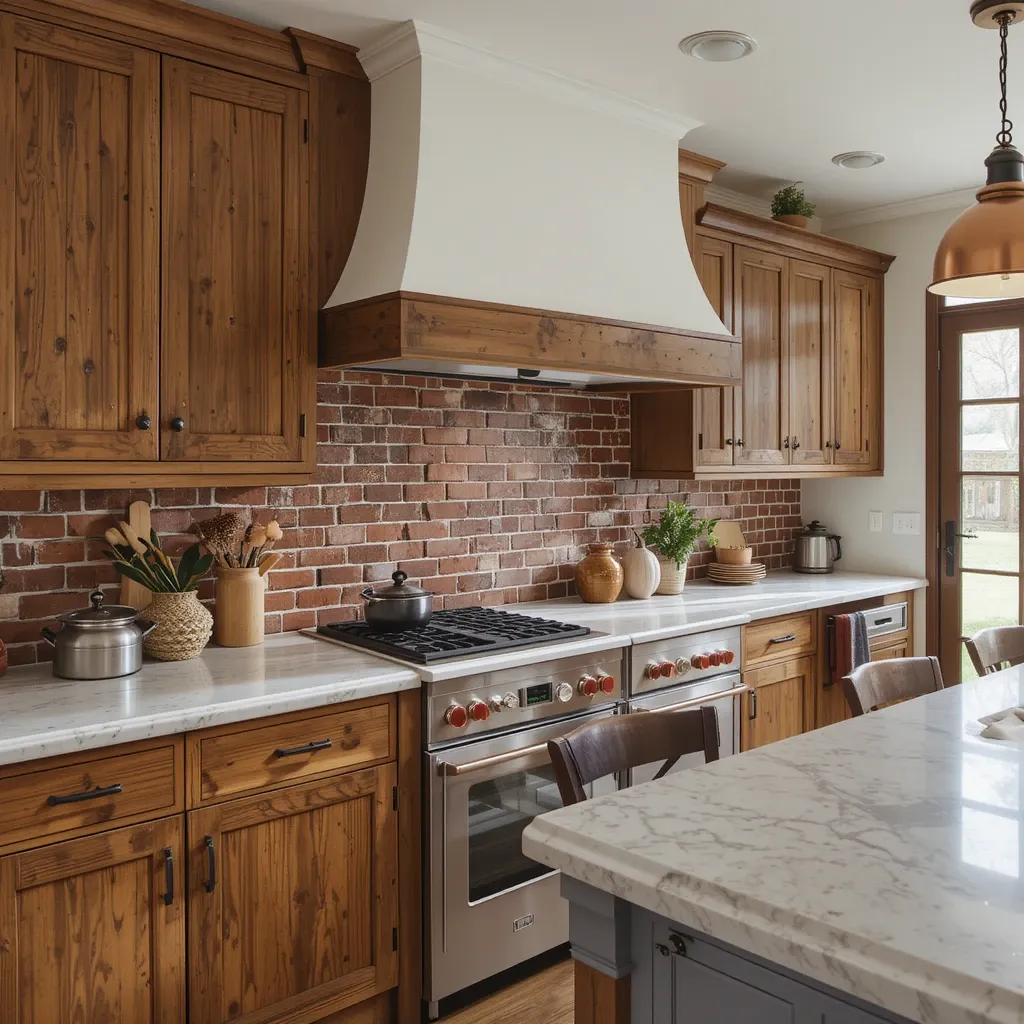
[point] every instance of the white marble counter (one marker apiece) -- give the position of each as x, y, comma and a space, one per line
882, 856
41, 716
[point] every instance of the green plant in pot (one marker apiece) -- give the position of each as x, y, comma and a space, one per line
673, 538
791, 206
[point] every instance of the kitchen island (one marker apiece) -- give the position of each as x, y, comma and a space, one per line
868, 871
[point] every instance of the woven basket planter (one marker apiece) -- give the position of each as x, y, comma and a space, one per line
184, 627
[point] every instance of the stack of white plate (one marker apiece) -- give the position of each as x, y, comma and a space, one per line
738, 575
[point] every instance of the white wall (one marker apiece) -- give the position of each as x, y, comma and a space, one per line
844, 504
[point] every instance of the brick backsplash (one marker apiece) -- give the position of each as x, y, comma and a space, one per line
484, 493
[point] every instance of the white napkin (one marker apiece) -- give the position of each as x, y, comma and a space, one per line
1010, 726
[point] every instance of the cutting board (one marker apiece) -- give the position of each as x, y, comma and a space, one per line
133, 594
729, 534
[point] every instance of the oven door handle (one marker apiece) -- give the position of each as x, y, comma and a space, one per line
697, 702
447, 768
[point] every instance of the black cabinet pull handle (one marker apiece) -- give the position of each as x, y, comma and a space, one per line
782, 639
882, 622
169, 868
796, 443
837, 446
828, 444
753, 706
785, 443
309, 748
89, 794
211, 855
177, 424
143, 422
740, 441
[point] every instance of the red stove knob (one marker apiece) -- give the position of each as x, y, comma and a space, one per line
668, 669
479, 711
456, 716
607, 683
727, 657
715, 657
588, 686
653, 670
700, 661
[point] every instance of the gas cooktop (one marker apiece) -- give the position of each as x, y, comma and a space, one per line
457, 633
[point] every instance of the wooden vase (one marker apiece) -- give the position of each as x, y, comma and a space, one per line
599, 576
238, 612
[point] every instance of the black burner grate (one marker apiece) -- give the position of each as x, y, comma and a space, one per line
455, 634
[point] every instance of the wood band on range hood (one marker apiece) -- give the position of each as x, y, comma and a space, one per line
406, 325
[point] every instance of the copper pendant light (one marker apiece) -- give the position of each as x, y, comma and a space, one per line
981, 256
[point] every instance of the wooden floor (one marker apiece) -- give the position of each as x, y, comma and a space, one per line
546, 998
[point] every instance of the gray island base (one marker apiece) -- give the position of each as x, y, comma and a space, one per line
678, 976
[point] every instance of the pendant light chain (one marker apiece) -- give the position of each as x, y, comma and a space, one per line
1005, 135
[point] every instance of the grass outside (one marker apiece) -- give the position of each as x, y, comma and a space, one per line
988, 600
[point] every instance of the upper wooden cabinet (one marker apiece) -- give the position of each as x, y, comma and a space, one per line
808, 310
234, 363
79, 335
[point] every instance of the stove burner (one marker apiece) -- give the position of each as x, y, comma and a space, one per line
457, 633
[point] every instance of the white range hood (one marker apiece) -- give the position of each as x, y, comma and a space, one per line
515, 219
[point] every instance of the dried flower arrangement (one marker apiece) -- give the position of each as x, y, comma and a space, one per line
143, 560
233, 545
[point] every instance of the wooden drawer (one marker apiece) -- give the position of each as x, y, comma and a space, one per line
251, 756
43, 800
773, 639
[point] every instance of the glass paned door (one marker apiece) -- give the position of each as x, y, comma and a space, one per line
979, 478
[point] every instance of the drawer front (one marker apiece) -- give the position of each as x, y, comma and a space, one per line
773, 639
96, 792
249, 757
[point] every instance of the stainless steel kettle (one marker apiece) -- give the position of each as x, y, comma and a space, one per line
814, 549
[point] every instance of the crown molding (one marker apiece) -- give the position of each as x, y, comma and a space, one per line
958, 200
414, 39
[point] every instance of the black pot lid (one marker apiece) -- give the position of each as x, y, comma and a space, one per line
400, 590
100, 615
814, 526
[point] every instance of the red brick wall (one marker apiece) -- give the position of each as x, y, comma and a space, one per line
486, 493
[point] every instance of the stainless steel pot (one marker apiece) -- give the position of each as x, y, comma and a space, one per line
814, 549
399, 606
98, 642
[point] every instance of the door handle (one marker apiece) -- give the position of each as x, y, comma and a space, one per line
950, 546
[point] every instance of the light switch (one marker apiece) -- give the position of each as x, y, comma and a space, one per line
907, 523
875, 522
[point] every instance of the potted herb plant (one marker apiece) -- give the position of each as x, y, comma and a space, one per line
673, 538
790, 206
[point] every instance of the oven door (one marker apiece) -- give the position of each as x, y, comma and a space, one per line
722, 693
488, 906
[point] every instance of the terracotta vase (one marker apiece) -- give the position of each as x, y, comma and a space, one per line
794, 220
673, 577
599, 575
238, 612
184, 627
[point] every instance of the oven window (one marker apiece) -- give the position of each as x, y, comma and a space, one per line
499, 811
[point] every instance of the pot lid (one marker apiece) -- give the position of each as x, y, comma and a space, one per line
98, 616
815, 527
400, 590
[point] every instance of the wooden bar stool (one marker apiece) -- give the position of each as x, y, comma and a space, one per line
881, 683
627, 741
995, 648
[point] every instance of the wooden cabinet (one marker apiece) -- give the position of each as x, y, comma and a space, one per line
293, 900
79, 234
93, 930
773, 708
236, 359
809, 312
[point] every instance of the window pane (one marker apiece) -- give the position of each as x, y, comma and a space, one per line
990, 509
985, 601
990, 364
990, 435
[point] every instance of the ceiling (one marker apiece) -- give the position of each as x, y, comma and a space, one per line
911, 78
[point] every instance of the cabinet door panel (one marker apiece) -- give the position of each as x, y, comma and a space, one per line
235, 354
774, 707
79, 123
304, 904
857, 374
713, 407
810, 347
761, 422
89, 935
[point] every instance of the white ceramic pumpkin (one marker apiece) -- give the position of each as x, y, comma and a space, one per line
642, 571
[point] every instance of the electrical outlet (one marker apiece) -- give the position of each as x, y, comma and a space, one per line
907, 523
875, 522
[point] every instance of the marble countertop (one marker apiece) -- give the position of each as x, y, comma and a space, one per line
882, 856
41, 716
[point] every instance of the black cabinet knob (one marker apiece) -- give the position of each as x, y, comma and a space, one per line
177, 424
143, 422
728, 440
837, 446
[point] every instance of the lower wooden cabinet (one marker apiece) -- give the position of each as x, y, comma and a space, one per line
92, 931
773, 708
293, 909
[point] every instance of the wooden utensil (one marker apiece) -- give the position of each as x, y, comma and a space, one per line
729, 534
133, 594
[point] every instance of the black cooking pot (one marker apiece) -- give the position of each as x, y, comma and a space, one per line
399, 606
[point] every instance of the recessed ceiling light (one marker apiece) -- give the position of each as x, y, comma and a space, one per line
858, 159
718, 45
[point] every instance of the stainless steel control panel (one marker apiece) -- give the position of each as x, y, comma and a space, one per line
683, 659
